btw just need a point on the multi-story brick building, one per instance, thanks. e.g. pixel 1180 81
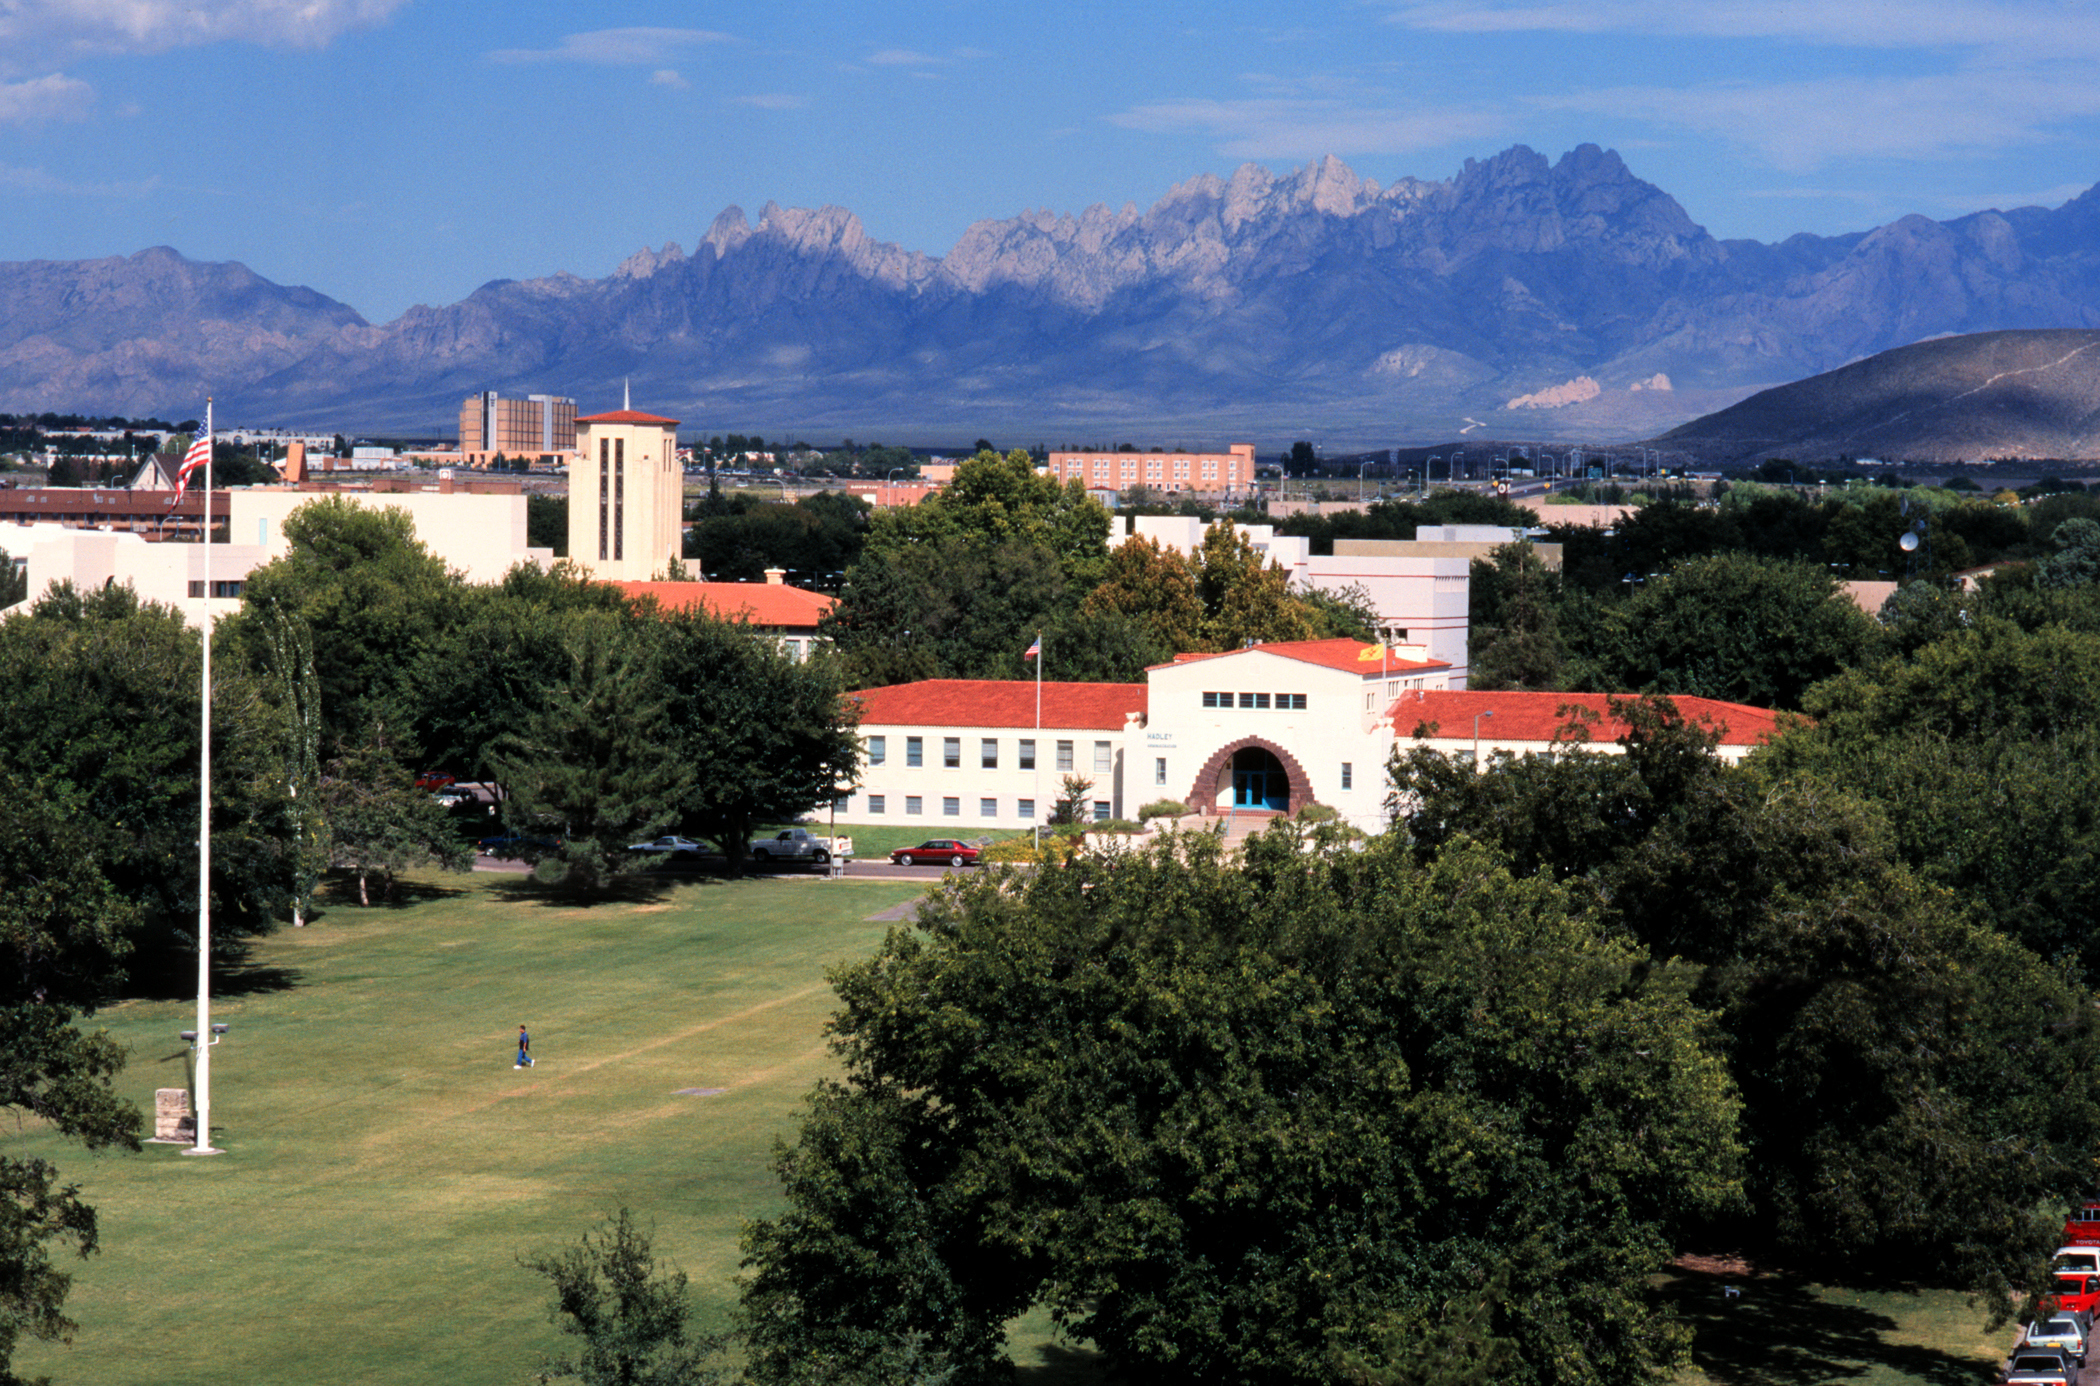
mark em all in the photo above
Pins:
pixel 1228 471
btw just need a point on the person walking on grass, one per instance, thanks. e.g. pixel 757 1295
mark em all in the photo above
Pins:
pixel 524 1049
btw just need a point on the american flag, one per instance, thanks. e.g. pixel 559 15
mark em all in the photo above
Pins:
pixel 197 456
pixel 1033 650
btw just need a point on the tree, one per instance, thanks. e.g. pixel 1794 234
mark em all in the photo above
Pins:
pixel 377 823
pixel 1155 585
pixel 2076 562
pixel 375 599
pixel 64 938
pixel 547 524
pixel 633 1318
pixel 1733 627
pixel 14 581
pixel 1246 595
pixel 1227 1123
pixel 760 737
pixel 1516 641
pixel 1868 1022
pixel 594 765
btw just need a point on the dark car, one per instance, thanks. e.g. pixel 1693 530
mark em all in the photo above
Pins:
pixel 2041 1367
pixel 939 850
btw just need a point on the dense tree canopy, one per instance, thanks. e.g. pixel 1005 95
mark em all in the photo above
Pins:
pixel 1231 1123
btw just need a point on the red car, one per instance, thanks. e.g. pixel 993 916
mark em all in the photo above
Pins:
pixel 2077 1292
pixel 936 850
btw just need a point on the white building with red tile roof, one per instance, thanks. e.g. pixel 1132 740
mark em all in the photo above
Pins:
pixel 1267 729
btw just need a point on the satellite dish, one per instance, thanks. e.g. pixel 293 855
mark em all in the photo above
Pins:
pixel 1909 541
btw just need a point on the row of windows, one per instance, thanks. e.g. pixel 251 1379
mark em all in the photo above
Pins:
pixel 987 753
pixel 1288 702
pixel 951 807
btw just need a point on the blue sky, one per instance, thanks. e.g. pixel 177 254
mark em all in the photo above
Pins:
pixel 391 152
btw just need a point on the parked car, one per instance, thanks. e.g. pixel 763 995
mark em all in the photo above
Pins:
pixel 434 780
pixel 2061 1331
pixel 2041 1367
pixel 2076 1258
pixel 799 844
pixel 939 849
pixel 2076 1292
pixel 671 843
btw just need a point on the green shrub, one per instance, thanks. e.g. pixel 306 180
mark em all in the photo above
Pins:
pixel 1163 808
pixel 1318 813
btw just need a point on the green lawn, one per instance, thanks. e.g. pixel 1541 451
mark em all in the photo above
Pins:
pixel 385 1164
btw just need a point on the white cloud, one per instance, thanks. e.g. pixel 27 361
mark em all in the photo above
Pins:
pixel 2041 27
pixel 52 97
pixel 1805 125
pixel 1298 128
pixel 773 101
pixel 38 181
pixel 667 77
pixel 902 57
pixel 642 47
pixel 152 26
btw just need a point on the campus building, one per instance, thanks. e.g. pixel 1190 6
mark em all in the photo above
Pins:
pixel 1231 470
pixel 626 496
pixel 535 426
pixel 788 614
pixel 1418 598
pixel 1260 731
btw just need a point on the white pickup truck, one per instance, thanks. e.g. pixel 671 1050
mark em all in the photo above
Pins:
pixel 799 844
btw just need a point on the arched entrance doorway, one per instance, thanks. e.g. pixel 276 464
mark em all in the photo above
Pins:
pixel 1259 781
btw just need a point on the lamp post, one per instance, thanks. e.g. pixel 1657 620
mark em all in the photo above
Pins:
pixel 1485 712
pixel 892 484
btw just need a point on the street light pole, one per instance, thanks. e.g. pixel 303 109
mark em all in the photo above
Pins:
pixel 1485 712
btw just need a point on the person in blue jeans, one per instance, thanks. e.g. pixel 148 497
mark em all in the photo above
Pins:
pixel 524 1049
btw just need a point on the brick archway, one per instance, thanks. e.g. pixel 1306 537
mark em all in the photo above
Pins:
pixel 1204 796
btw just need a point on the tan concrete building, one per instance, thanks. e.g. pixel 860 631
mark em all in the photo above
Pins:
pixel 1231 470
pixel 626 496
pixel 536 426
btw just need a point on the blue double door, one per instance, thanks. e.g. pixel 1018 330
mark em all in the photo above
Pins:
pixel 1259 782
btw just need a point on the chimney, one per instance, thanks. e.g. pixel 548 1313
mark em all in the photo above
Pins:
pixel 775 577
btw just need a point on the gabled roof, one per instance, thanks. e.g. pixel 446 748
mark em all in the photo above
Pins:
pixel 1001 703
pixel 756 603
pixel 1349 656
pixel 628 416
pixel 1541 716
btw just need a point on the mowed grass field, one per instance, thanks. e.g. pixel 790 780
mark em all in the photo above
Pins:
pixel 385 1165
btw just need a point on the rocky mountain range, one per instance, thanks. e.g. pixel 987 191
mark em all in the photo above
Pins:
pixel 1519 299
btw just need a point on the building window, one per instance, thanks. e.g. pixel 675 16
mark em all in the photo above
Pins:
pixel 914 805
pixel 878 803
pixel 914 752
pixel 1348 774
pixel 1217 700
pixel 1064 756
pixel 1026 810
pixel 1370 700
pixel 987 808
pixel 951 752
pixel 951 807
pixel 1027 755
pixel 1292 701
pixel 1100 810
pixel 878 749
pixel 988 753
pixel 1104 758
pixel 232 588
pixel 619 499
pixel 1246 700
pixel 838 805
pixel 1159 770
pixel 1261 700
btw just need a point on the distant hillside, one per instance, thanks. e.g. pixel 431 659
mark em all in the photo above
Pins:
pixel 1986 395
pixel 1518 299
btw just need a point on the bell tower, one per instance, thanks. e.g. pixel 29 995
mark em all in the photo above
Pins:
pixel 626 496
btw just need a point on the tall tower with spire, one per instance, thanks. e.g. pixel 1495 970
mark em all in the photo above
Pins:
pixel 626 494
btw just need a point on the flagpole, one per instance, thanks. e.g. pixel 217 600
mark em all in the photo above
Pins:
pixel 203 1042
pixel 1036 818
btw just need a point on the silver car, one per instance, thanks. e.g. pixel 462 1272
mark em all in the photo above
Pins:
pixel 2058 1331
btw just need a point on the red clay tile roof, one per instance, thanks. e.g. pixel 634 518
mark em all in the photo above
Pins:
pixel 1350 656
pixel 1539 716
pixel 757 603
pixel 628 416
pixel 1001 703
